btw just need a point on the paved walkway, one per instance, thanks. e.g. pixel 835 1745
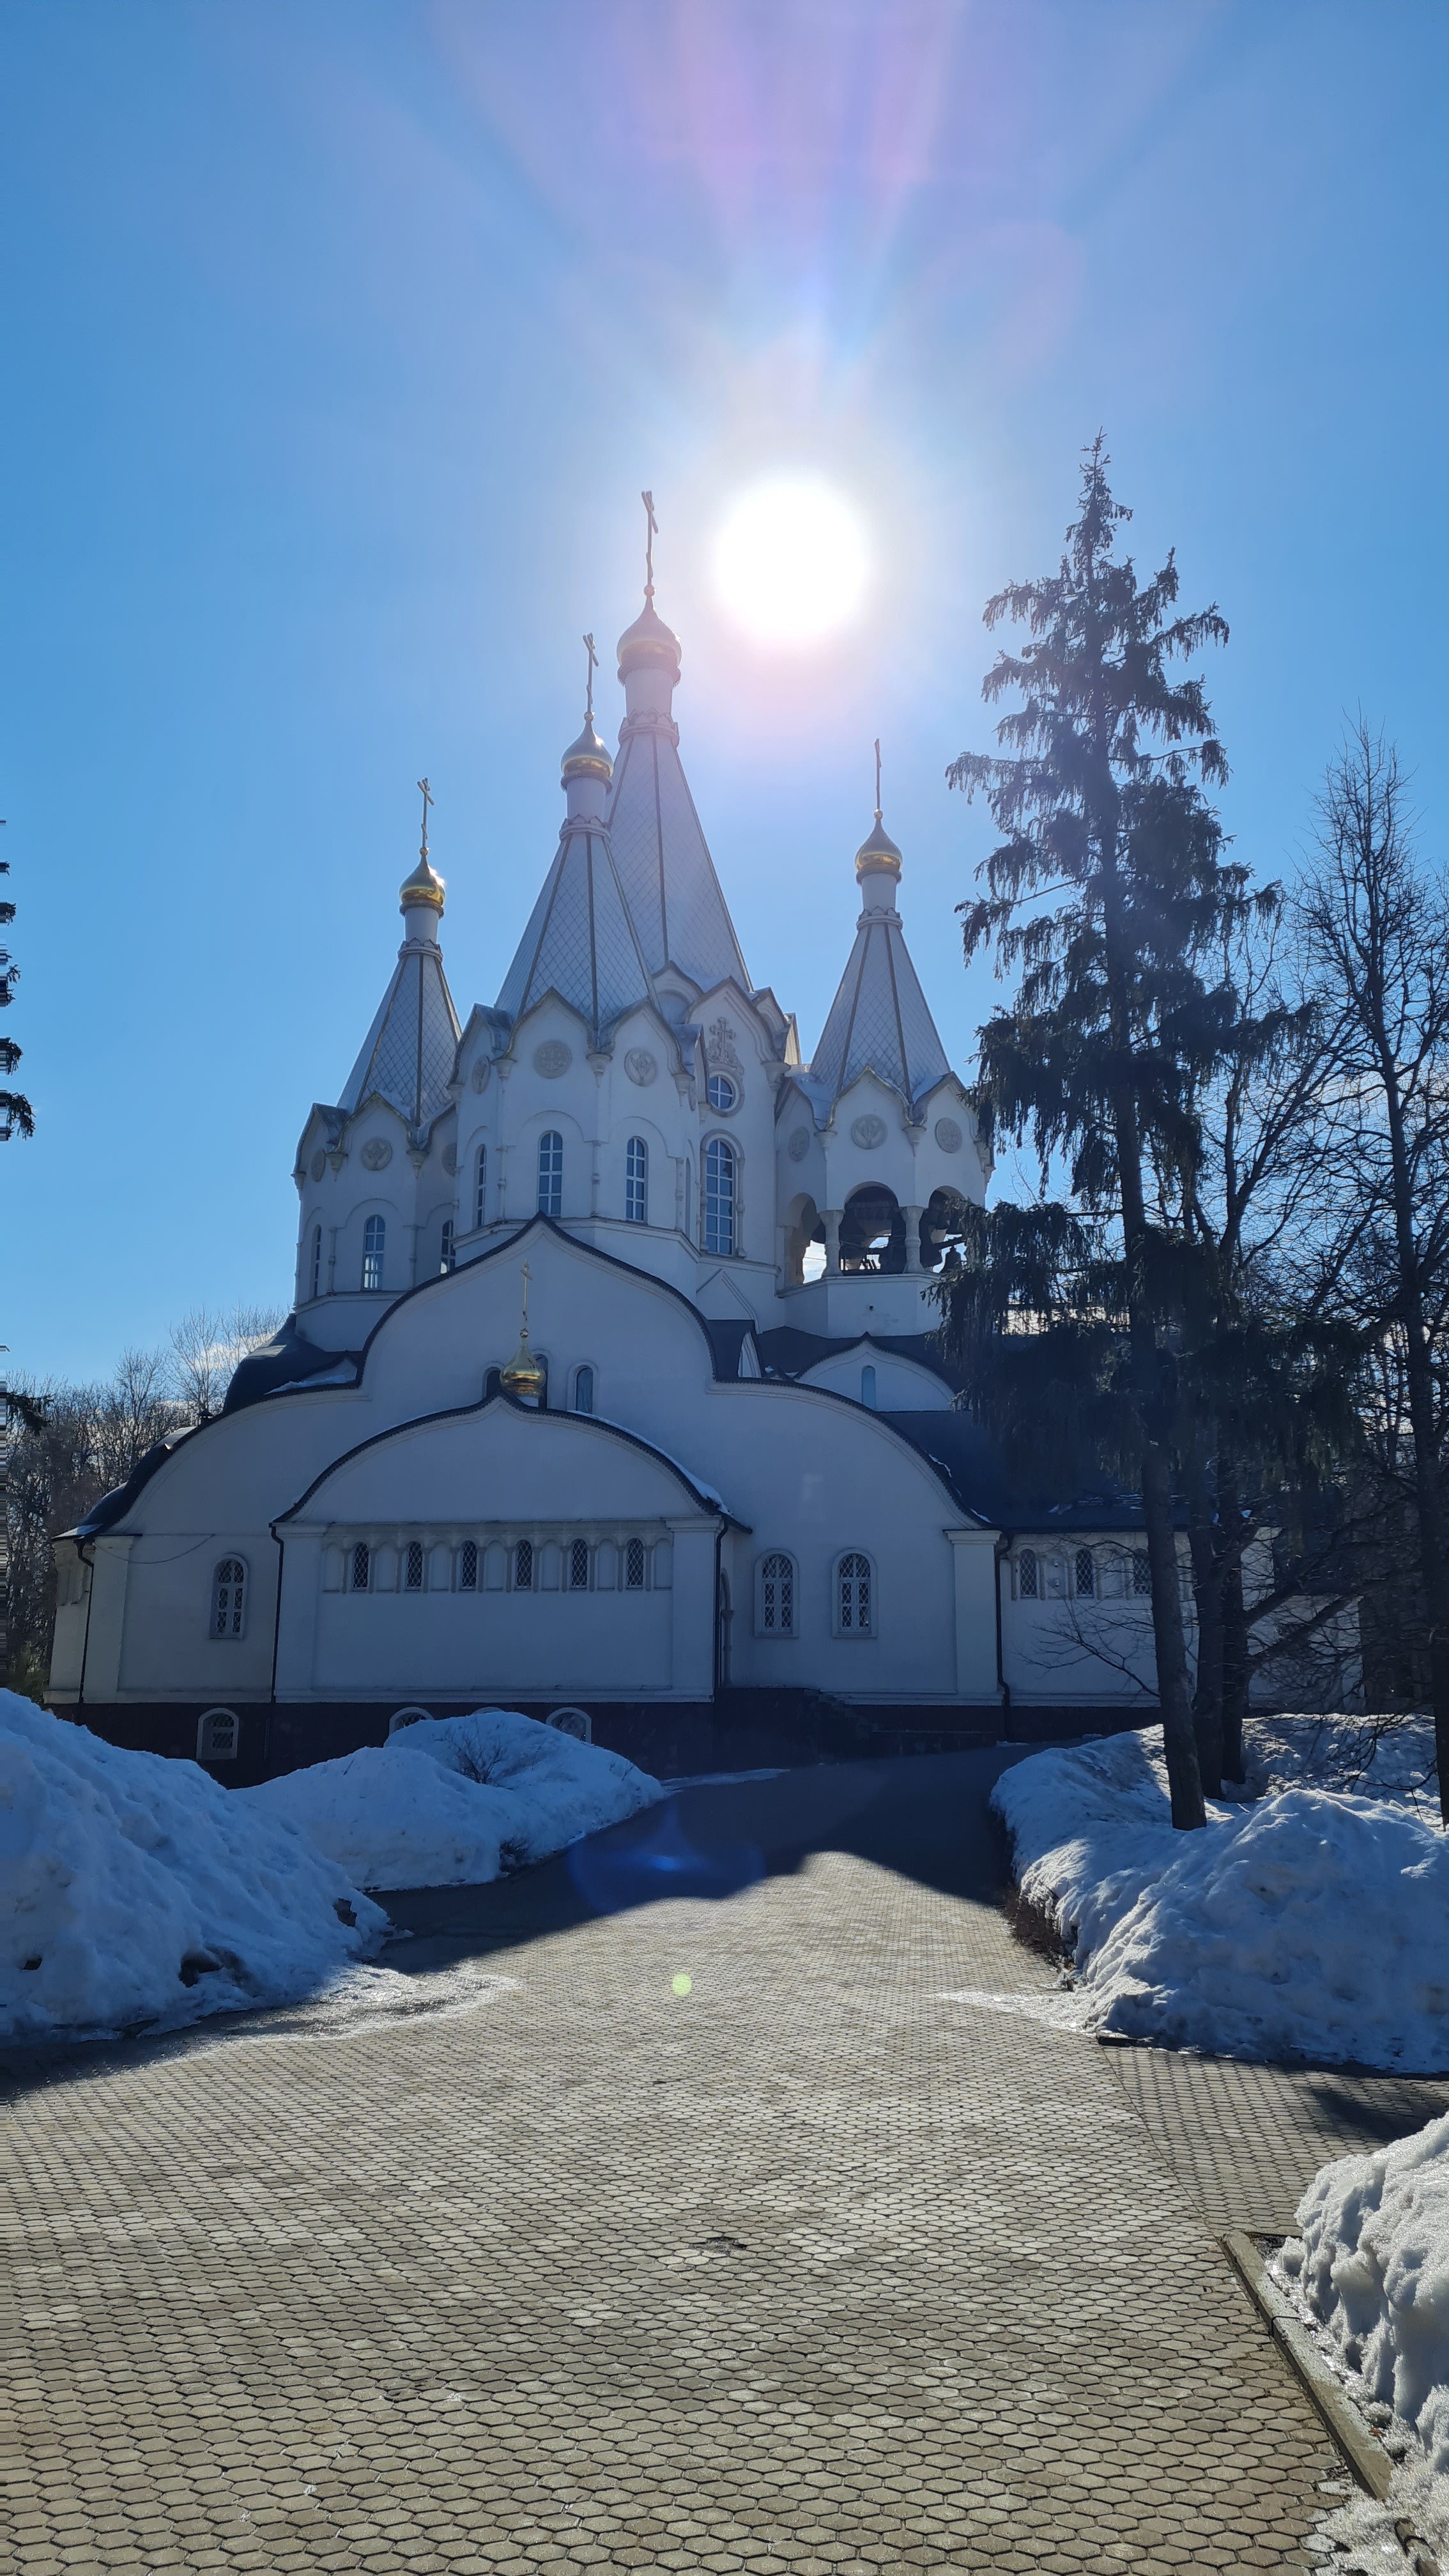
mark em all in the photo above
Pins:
pixel 810 2268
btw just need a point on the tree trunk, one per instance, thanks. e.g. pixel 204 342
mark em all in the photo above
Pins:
pixel 1419 1371
pixel 1204 1543
pixel 1235 1647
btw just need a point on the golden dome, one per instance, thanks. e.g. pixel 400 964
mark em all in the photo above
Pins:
pixel 647 641
pixel 587 758
pixel 524 1375
pixel 878 853
pixel 423 886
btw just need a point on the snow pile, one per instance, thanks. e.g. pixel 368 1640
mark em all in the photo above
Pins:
pixel 1370 2271
pixel 1310 1926
pixel 1374 1757
pixel 452 1802
pixel 136 1892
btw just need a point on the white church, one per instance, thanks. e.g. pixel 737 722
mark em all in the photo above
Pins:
pixel 611 1389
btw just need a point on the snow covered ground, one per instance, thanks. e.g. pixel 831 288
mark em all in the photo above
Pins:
pixel 1369 2272
pixel 136 1893
pixel 453 1801
pixel 1310 1924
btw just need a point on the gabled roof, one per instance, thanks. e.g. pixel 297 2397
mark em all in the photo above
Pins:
pixel 580 942
pixel 663 860
pixel 407 1055
pixel 880 1021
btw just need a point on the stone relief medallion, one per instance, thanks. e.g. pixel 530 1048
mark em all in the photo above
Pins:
pixel 799 1145
pixel 868 1133
pixel 450 1158
pixel 948 1135
pixel 319 1164
pixel 552 1058
pixel 640 1066
pixel 480 1074
pixel 376 1154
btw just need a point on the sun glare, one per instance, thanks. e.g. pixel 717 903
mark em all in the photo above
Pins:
pixel 790 561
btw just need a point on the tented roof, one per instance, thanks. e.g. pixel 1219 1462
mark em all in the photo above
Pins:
pixel 880 1021
pixel 407 1055
pixel 664 863
pixel 580 942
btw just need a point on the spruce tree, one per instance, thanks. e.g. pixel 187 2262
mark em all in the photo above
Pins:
pixel 1109 891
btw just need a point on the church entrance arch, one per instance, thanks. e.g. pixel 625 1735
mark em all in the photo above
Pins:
pixel 873 1230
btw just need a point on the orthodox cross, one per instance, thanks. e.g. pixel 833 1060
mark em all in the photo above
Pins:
pixel 651 533
pixel 427 796
pixel 877 778
pixel 589 684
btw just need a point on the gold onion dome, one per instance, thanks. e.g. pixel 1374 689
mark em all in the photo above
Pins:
pixel 648 641
pixel 587 758
pixel 524 1375
pixel 423 886
pixel 879 852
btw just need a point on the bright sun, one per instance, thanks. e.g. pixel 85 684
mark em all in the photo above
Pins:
pixel 790 561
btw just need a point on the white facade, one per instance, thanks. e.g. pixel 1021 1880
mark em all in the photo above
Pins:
pixel 744 1471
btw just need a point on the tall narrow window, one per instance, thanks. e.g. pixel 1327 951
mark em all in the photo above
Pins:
pixel 1085 1574
pixel 583 1390
pixel 480 1187
pixel 719 1195
pixel 855 1604
pixel 1141 1574
pixel 228 1597
pixel 634 1565
pixel 374 1241
pixel 413 1567
pixel 447 1259
pixel 550 1173
pixel 316 1261
pixel 361 1568
pixel 867 1387
pixel 468 1566
pixel 1026 1575
pixel 776 1599
pixel 578 1565
pixel 636 1181
pixel 523 1566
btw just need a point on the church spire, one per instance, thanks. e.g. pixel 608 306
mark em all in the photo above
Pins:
pixel 407 1055
pixel 880 1021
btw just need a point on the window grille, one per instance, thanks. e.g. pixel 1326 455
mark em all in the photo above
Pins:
pixel 578 1565
pixel 636 1181
pixel 1026 1575
pixel 1085 1574
pixel 583 1390
pixel 447 1248
pixel 413 1567
pixel 468 1566
pixel 1141 1574
pixel 777 1596
pixel 550 1173
pixel 374 1240
pixel 634 1565
pixel 720 1092
pixel 361 1566
pixel 228 1597
pixel 316 1261
pixel 523 1566
pixel 719 1196
pixel 867 1387
pixel 480 1186
pixel 856 1606
pixel 218 1735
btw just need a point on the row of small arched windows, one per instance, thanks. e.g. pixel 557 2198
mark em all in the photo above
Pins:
pixel 1081 1574
pixel 576 1565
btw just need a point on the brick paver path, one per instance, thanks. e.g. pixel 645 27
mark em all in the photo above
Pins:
pixel 810 2268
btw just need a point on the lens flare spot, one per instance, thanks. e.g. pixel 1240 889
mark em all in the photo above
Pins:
pixel 682 1985
pixel 791 561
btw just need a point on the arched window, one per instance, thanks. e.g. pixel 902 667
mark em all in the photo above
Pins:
pixel 636 1181
pixel 583 1390
pixel 468 1566
pixel 413 1566
pixel 447 1260
pixel 480 1187
pixel 374 1241
pixel 867 1386
pixel 719 1195
pixel 550 1173
pixel 316 1261
pixel 523 1566
pixel 721 1093
pixel 1084 1574
pixel 360 1571
pixel 228 1597
pixel 634 1565
pixel 217 1735
pixel 775 1596
pixel 1141 1574
pixel 1027 1579
pixel 854 1596
pixel 578 1565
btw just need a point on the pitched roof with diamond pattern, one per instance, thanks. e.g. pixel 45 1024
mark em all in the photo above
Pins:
pixel 407 1055
pixel 580 941
pixel 880 1021
pixel 664 863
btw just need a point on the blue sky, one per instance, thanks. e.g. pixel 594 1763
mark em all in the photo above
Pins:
pixel 343 334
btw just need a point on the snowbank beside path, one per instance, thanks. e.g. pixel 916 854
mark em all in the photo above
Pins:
pixel 135 1892
pixel 453 1802
pixel 1311 1926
